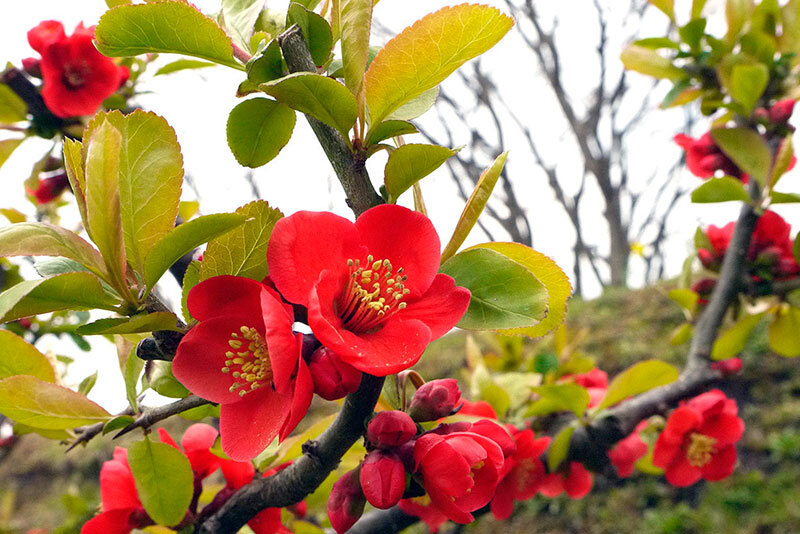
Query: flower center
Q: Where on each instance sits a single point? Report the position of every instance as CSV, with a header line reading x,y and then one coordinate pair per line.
x,y
74,75
373,294
248,362
701,447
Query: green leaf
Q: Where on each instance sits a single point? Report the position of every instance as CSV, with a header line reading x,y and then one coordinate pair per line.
x,y
258,129
656,43
748,83
118,423
733,340
164,480
783,160
408,164
388,129
682,334
475,205
183,64
56,266
562,397
637,379
686,298
43,239
132,367
355,20
747,150
18,357
783,332
148,322
504,293
665,6
87,384
190,279
321,97
724,189
796,248
544,363
73,164
70,291
650,63
315,29
697,8
548,273
415,107
7,147
559,448
164,383
33,402
701,240
243,251
692,33
104,222
737,12
185,238
239,18
424,54
12,107
172,27
59,435
267,65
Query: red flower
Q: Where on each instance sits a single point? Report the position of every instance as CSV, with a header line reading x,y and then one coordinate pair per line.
x,y
50,188
628,451
425,510
728,367
704,157
390,429
576,481
76,77
243,355
460,469
122,510
478,409
346,502
522,475
333,378
698,440
435,399
371,287
383,479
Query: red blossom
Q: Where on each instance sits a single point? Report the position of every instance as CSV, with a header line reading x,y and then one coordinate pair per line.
x,y
76,77
434,400
728,367
704,157
425,510
371,287
698,440
346,502
50,188
383,479
333,378
390,429
576,480
243,355
522,474
627,451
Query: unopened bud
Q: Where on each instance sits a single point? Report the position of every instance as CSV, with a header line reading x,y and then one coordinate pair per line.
x,y
32,68
383,479
390,429
781,111
434,400
333,378
727,367
346,502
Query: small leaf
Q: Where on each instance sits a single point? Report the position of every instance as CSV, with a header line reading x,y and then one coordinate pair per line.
x,y
783,160
692,33
148,322
14,216
559,448
783,332
239,18
7,147
796,248
747,84
424,54
187,209
475,205
131,366
117,423
733,340
190,279
242,251
30,401
183,64
416,106
682,334
164,383
504,293
697,8
185,238
164,480
267,65
388,129
656,43
665,6
747,150
564,397
12,107
87,384
650,63
355,18
315,29
724,189
73,164
686,298
637,379
323,98
70,291
173,27
737,12
408,164
258,129
18,357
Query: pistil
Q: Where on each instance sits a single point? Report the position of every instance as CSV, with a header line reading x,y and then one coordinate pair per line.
x,y
373,293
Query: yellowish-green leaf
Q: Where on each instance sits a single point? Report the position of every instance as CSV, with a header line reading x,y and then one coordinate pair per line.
x,y
183,64
18,357
686,298
562,397
408,164
321,97
14,216
649,62
682,334
242,251
258,129
7,147
782,161
355,19
388,129
415,107
637,379
190,279
747,84
784,332
426,53
73,163
174,27
239,18
733,340
747,150
315,29
475,204
188,209
33,402
697,8
722,189
12,107
559,448
665,6
148,322
737,12
164,480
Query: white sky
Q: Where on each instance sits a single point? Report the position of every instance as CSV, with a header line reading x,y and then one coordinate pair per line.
x,y
196,104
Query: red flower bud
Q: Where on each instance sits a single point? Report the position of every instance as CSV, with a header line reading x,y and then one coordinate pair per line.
x,y
333,378
781,111
708,260
31,67
383,479
727,367
50,188
435,399
346,502
390,429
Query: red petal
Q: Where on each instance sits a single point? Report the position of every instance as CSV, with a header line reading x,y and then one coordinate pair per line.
x,y
579,481
404,237
44,34
199,437
725,428
301,400
721,464
303,245
200,358
665,451
451,511
285,348
249,426
552,485
503,501
110,522
224,296
681,473
237,474
166,438
117,487
684,419
268,521
441,307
